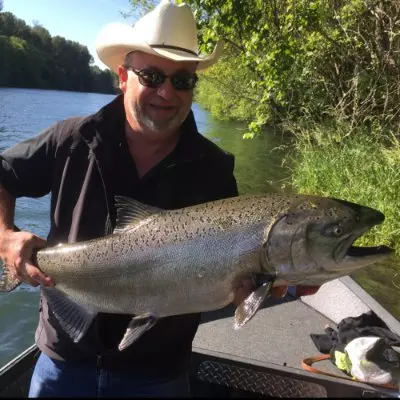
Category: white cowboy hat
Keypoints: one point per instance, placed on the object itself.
(167, 31)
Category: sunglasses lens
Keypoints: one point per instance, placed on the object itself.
(184, 81)
(151, 78)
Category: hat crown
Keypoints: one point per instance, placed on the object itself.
(169, 25)
(169, 31)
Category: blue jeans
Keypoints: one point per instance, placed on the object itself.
(53, 378)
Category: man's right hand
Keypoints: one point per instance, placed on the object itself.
(16, 250)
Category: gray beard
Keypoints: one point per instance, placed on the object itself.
(174, 123)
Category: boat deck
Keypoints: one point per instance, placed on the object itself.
(262, 359)
(280, 332)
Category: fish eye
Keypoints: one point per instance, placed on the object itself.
(334, 230)
(338, 231)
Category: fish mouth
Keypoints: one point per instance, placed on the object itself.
(356, 251)
(358, 257)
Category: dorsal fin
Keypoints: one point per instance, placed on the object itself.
(131, 212)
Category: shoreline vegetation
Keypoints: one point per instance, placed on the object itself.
(32, 58)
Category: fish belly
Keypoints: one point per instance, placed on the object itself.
(175, 278)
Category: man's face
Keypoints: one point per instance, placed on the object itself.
(155, 111)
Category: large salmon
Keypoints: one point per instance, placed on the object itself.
(168, 262)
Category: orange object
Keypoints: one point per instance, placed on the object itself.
(308, 362)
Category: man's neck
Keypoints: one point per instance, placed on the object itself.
(148, 152)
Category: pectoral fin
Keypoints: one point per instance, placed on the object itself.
(136, 328)
(73, 318)
(248, 308)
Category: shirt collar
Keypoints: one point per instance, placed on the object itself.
(110, 126)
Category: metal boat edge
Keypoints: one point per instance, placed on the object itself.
(214, 374)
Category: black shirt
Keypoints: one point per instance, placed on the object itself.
(80, 162)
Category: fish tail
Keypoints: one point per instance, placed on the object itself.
(7, 281)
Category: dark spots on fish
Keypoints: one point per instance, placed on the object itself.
(290, 218)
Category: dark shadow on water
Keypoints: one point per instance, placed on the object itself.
(229, 311)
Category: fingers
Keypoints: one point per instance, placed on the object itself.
(29, 273)
(36, 276)
(279, 291)
(17, 249)
(22, 274)
(37, 242)
(247, 286)
(302, 290)
(299, 291)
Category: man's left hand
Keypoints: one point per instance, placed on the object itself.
(302, 290)
(278, 292)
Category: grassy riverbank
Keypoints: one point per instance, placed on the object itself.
(365, 169)
(360, 168)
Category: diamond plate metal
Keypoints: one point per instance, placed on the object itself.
(257, 382)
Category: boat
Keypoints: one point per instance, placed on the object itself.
(266, 357)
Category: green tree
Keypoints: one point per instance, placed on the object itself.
(103, 80)
(312, 58)
(304, 59)
(224, 89)
(30, 57)
(6, 50)
(72, 64)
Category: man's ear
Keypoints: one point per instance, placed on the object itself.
(122, 78)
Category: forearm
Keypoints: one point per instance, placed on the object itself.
(7, 210)
(16, 248)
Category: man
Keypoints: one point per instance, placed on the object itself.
(143, 145)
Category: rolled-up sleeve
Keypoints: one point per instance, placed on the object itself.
(26, 169)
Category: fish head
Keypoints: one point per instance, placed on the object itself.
(312, 242)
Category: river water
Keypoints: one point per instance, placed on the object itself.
(24, 113)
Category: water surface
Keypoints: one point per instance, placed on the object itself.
(24, 113)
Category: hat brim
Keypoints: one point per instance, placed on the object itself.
(112, 52)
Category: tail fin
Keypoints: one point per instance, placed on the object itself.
(7, 282)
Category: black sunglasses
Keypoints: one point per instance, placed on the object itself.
(154, 78)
